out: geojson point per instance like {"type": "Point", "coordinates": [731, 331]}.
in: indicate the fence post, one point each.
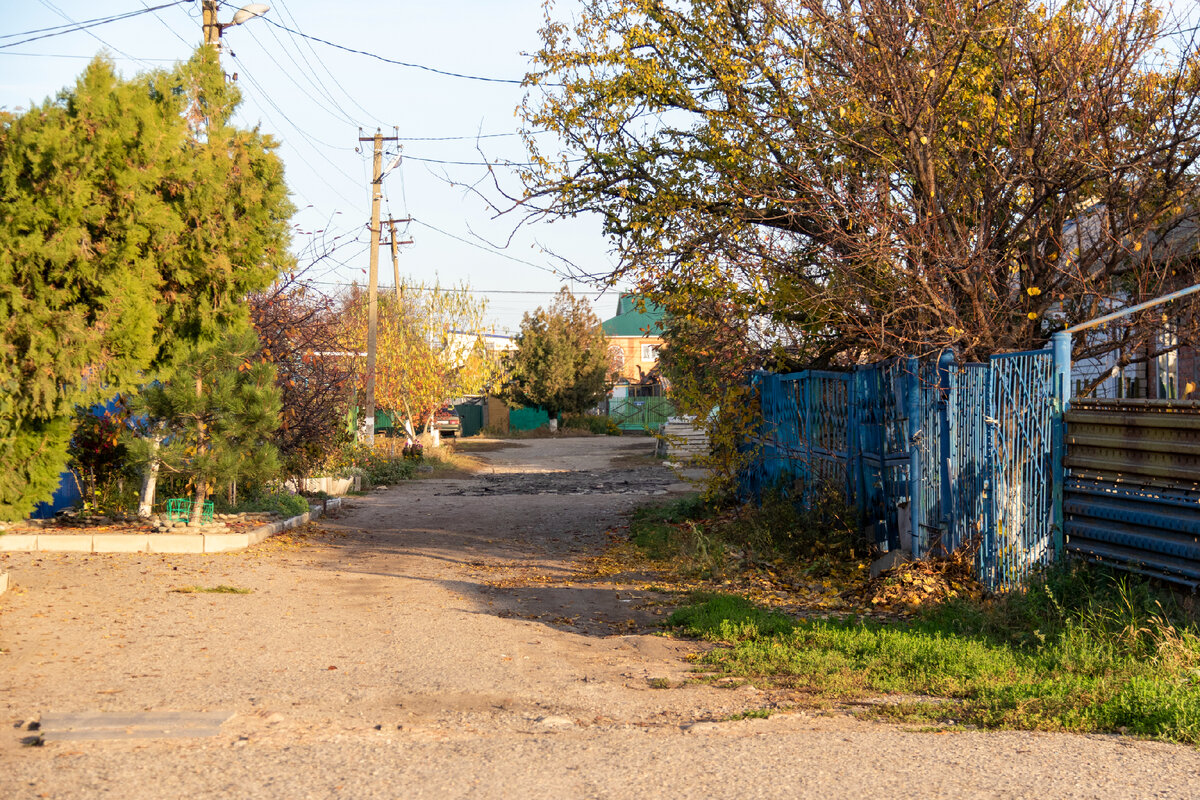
{"type": "Point", "coordinates": [912, 409]}
{"type": "Point", "coordinates": [1060, 344]}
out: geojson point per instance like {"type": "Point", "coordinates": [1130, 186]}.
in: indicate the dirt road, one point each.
{"type": "Point", "coordinates": [438, 641]}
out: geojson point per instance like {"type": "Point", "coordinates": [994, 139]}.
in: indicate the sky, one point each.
{"type": "Point", "coordinates": [314, 98]}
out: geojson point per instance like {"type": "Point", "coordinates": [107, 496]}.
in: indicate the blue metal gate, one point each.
{"type": "Point", "coordinates": [953, 455]}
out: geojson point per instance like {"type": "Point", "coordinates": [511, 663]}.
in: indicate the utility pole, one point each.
{"type": "Point", "coordinates": [213, 27]}
{"type": "Point", "coordinates": [395, 259]}
{"type": "Point", "coordinates": [373, 278]}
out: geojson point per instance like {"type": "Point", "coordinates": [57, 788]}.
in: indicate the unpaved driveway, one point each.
{"type": "Point", "coordinates": [438, 642]}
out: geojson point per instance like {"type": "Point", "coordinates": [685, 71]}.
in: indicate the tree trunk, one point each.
{"type": "Point", "coordinates": [435, 436]}
{"type": "Point", "coordinates": [149, 479]}
{"type": "Point", "coordinates": [198, 503]}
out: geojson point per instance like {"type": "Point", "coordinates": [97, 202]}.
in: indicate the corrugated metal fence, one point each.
{"type": "Point", "coordinates": [1133, 490]}
{"type": "Point", "coordinates": [933, 454]}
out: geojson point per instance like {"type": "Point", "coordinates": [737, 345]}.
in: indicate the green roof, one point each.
{"type": "Point", "coordinates": [631, 322]}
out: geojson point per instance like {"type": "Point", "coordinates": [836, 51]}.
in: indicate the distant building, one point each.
{"type": "Point", "coordinates": [634, 337]}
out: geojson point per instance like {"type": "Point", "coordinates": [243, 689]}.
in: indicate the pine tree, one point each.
{"type": "Point", "coordinates": [133, 219]}
{"type": "Point", "coordinates": [561, 360]}
{"type": "Point", "coordinates": [216, 416]}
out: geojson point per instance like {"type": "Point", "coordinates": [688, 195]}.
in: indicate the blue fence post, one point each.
{"type": "Point", "coordinates": [912, 403]}
{"type": "Point", "coordinates": [1060, 344]}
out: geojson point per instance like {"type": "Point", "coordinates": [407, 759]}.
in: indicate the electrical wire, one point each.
{"type": "Point", "coordinates": [95, 36]}
{"type": "Point", "coordinates": [486, 249]}
{"type": "Point", "coordinates": [295, 39]}
{"type": "Point", "coordinates": [81, 26]}
{"type": "Point", "coordinates": [540, 292]}
{"type": "Point", "coordinates": [89, 58]}
{"type": "Point", "coordinates": [328, 103]}
{"type": "Point", "coordinates": [311, 141]}
{"type": "Point", "coordinates": [386, 60]}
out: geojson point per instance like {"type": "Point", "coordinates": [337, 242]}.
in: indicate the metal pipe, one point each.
{"type": "Point", "coordinates": [1083, 326]}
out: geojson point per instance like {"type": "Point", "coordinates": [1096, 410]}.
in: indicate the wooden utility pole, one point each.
{"type": "Point", "coordinates": [395, 258]}
{"type": "Point", "coordinates": [212, 28]}
{"type": "Point", "coordinates": [373, 278]}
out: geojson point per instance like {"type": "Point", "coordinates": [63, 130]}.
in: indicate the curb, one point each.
{"type": "Point", "coordinates": [174, 543]}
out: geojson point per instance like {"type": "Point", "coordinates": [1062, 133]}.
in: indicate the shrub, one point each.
{"type": "Point", "coordinates": [600, 425]}
{"type": "Point", "coordinates": [265, 499]}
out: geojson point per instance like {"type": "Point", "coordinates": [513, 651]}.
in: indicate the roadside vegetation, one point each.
{"type": "Point", "coordinates": [1081, 649]}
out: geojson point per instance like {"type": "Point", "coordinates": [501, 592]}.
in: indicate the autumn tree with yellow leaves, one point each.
{"type": "Point", "coordinates": [833, 181]}
{"type": "Point", "coordinates": [429, 349]}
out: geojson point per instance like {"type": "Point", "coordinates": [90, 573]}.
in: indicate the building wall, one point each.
{"type": "Point", "coordinates": [631, 350]}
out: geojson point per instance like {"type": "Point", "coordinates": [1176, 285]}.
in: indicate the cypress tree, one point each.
{"type": "Point", "coordinates": [134, 218]}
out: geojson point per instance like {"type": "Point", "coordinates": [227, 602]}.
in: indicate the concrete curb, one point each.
{"type": "Point", "coordinates": [175, 543]}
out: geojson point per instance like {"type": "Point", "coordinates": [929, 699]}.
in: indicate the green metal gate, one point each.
{"type": "Point", "coordinates": [640, 413]}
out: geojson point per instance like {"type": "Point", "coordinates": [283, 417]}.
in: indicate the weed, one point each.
{"type": "Point", "coordinates": [658, 683]}
{"type": "Point", "coordinates": [221, 589]}
{"type": "Point", "coordinates": [754, 713]}
{"type": "Point", "coordinates": [1080, 650]}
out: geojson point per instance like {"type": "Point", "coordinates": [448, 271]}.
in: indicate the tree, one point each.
{"type": "Point", "coordinates": [428, 348]}
{"type": "Point", "coordinates": [854, 180]}
{"type": "Point", "coordinates": [215, 416]}
{"type": "Point", "coordinates": [299, 333]}
{"type": "Point", "coordinates": [561, 361]}
{"type": "Point", "coordinates": [134, 219]}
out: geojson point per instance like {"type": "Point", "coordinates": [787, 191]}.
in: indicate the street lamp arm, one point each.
{"type": "Point", "coordinates": [248, 12]}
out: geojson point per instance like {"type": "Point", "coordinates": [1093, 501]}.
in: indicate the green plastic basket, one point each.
{"type": "Point", "coordinates": [180, 510]}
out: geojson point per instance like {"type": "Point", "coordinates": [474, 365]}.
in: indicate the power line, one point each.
{"type": "Point", "coordinates": [444, 288]}
{"type": "Point", "coordinates": [321, 62]}
{"type": "Point", "coordinates": [386, 60]}
{"type": "Point", "coordinates": [80, 26]}
{"type": "Point", "coordinates": [88, 58]}
{"type": "Point", "coordinates": [479, 163]}
{"type": "Point", "coordinates": [95, 36]}
{"type": "Point", "coordinates": [463, 138]}
{"type": "Point", "coordinates": [491, 250]}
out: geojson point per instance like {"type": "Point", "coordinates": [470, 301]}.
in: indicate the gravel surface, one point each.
{"type": "Point", "coordinates": [436, 640]}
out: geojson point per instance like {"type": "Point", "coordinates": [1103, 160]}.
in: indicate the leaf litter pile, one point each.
{"type": "Point", "coordinates": [817, 587]}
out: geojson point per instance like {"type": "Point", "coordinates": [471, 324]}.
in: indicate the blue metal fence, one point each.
{"type": "Point", "coordinates": [933, 454]}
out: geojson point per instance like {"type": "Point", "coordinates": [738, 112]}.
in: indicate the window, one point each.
{"type": "Point", "coordinates": [649, 352]}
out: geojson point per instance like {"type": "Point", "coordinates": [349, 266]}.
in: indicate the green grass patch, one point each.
{"type": "Point", "coordinates": [1081, 650]}
{"type": "Point", "coordinates": [221, 589]}
{"type": "Point", "coordinates": [655, 529]}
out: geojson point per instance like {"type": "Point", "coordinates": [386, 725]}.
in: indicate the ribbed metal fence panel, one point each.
{"type": "Point", "coordinates": [930, 531]}
{"type": "Point", "coordinates": [971, 479]}
{"type": "Point", "coordinates": [879, 400]}
{"type": "Point", "coordinates": [823, 406]}
{"type": "Point", "coordinates": [1020, 414]}
{"type": "Point", "coordinates": [1133, 488]}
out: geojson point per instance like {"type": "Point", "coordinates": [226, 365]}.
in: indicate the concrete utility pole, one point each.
{"type": "Point", "coordinates": [373, 278]}
{"type": "Point", "coordinates": [395, 258]}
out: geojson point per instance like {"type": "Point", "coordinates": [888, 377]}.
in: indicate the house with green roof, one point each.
{"type": "Point", "coordinates": [634, 336]}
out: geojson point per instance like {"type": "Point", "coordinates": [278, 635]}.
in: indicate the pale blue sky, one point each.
{"type": "Point", "coordinates": [314, 98]}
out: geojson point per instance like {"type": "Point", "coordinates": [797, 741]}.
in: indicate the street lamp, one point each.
{"type": "Point", "coordinates": [213, 28]}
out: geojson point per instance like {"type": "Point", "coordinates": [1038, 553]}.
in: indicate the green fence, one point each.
{"type": "Point", "coordinates": [640, 413]}
{"type": "Point", "coordinates": [527, 419]}
{"type": "Point", "coordinates": [471, 417]}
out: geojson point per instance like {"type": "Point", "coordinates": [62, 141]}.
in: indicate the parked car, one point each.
{"type": "Point", "coordinates": [446, 420]}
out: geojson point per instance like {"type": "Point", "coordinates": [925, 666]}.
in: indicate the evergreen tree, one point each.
{"type": "Point", "coordinates": [134, 219]}
{"type": "Point", "coordinates": [215, 416]}
{"type": "Point", "coordinates": [561, 360]}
